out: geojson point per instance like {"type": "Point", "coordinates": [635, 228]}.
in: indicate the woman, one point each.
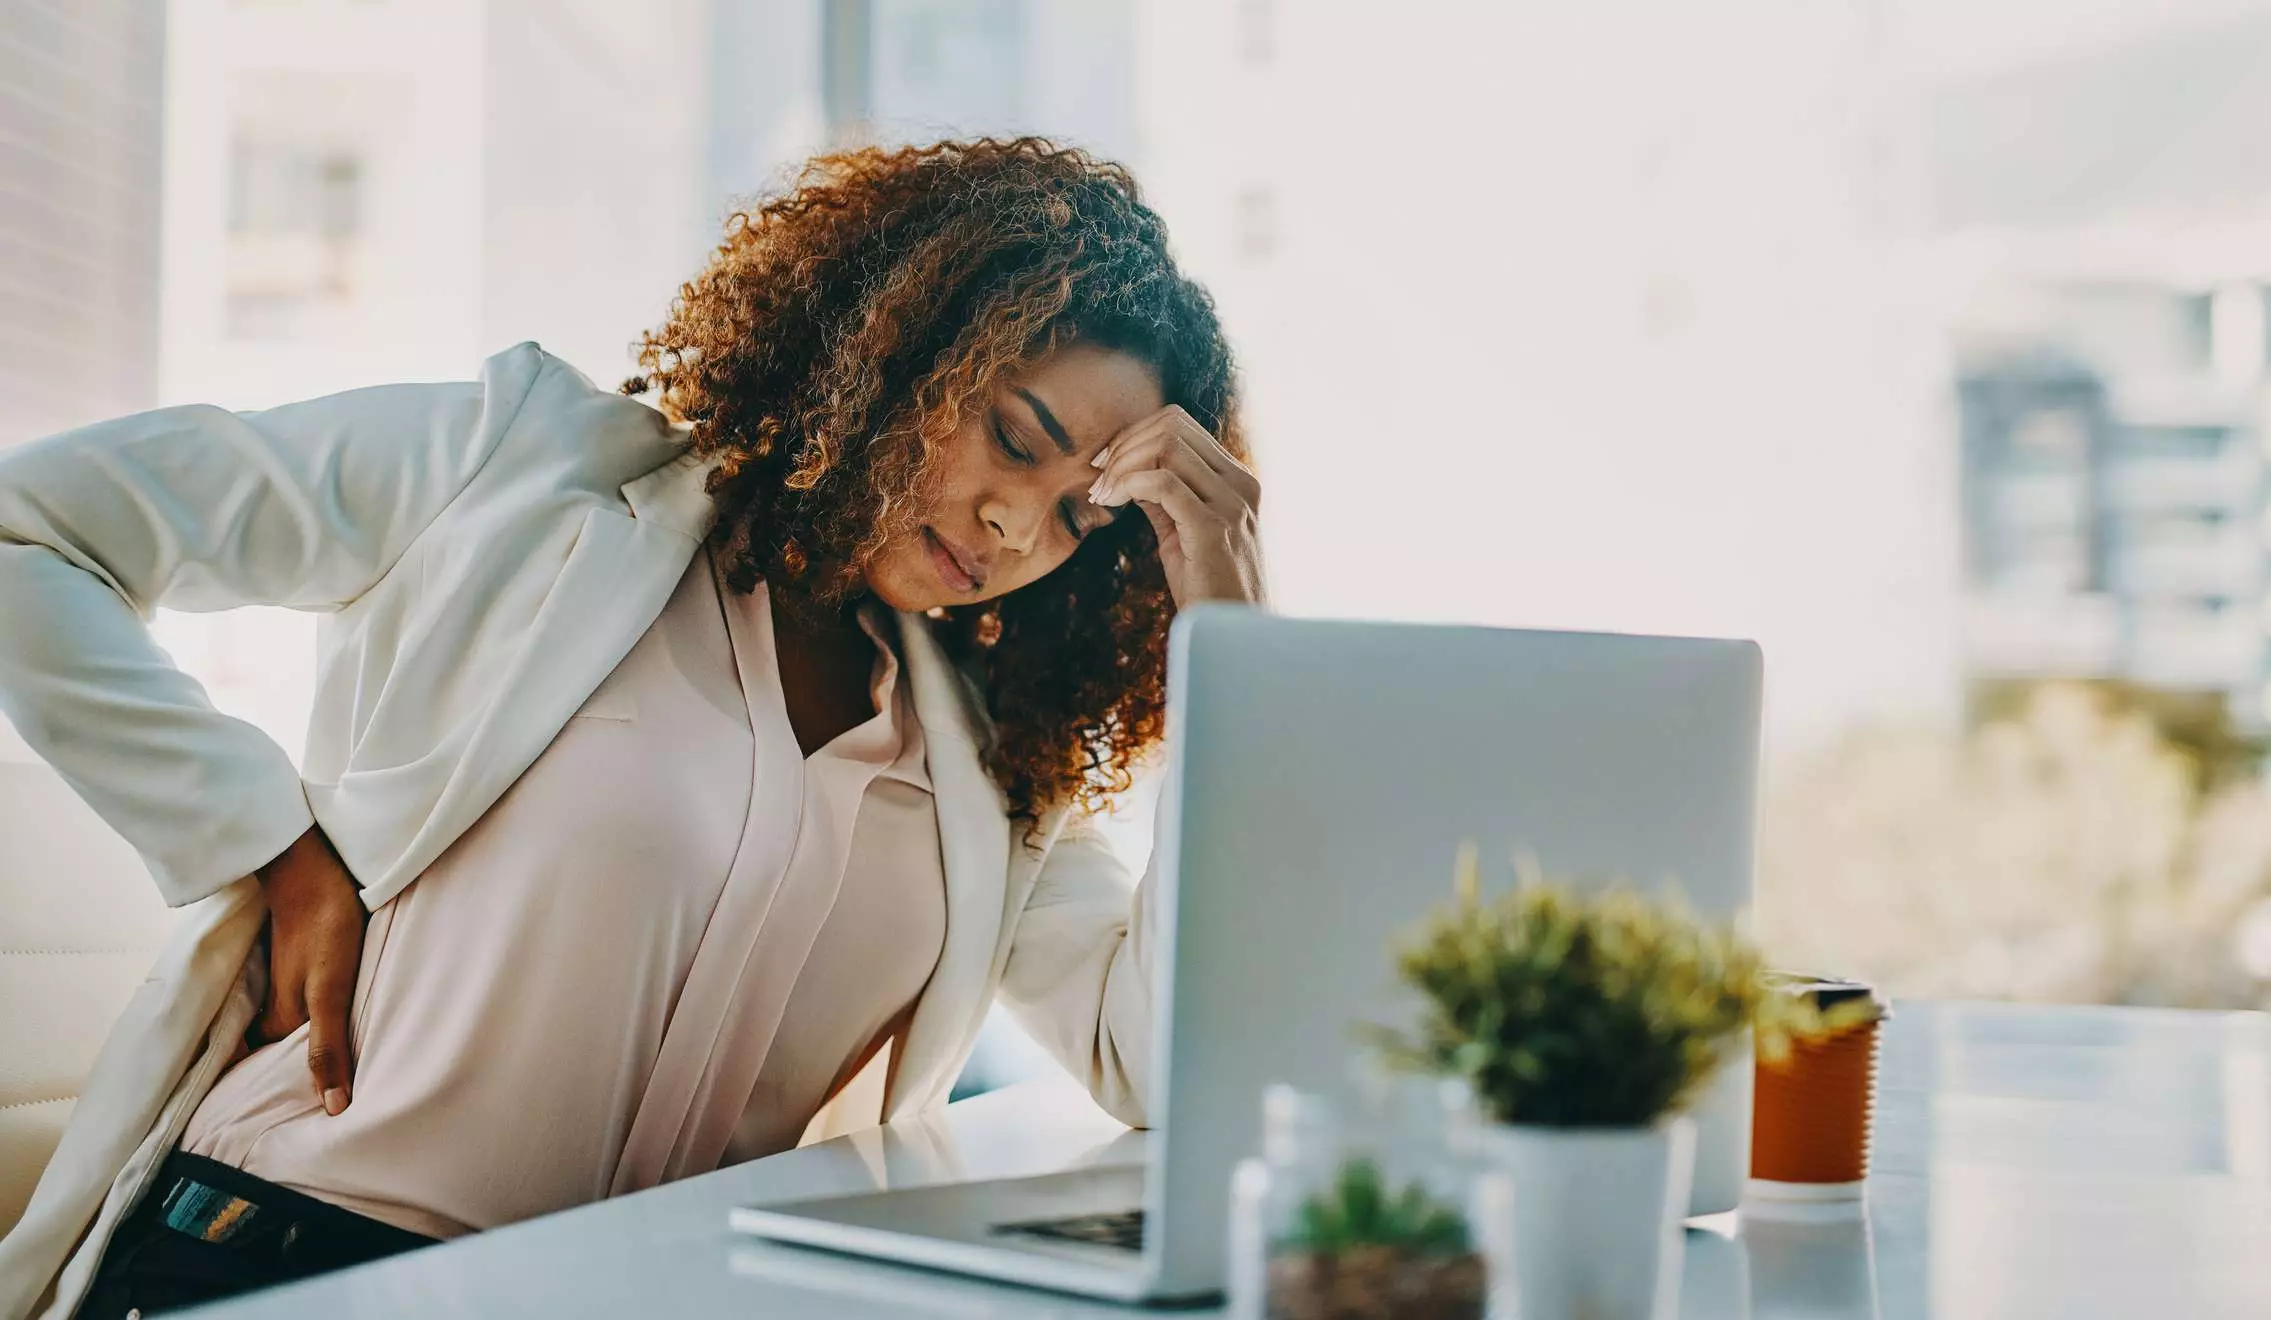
{"type": "Point", "coordinates": [694, 764]}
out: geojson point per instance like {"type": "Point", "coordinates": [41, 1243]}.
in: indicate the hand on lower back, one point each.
{"type": "Point", "coordinates": [315, 951]}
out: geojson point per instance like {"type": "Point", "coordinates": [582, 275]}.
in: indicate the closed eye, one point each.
{"type": "Point", "coordinates": [1018, 453]}
{"type": "Point", "coordinates": [1070, 516]}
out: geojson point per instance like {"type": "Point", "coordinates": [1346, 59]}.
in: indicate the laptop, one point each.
{"type": "Point", "coordinates": [1321, 778]}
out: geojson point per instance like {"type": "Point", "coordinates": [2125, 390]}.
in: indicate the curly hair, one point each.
{"type": "Point", "coordinates": [846, 328]}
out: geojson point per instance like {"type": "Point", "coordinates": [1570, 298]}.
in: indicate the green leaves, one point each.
{"type": "Point", "coordinates": [1359, 1210]}
{"type": "Point", "coordinates": [1566, 1011]}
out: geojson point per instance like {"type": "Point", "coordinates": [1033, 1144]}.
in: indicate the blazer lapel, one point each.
{"type": "Point", "coordinates": [616, 579]}
{"type": "Point", "coordinates": [988, 872]}
{"type": "Point", "coordinates": [974, 846]}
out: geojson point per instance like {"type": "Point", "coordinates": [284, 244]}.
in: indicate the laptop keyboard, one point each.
{"type": "Point", "coordinates": [1122, 1229]}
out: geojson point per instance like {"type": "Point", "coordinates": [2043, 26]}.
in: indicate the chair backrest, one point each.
{"type": "Point", "coordinates": [80, 924]}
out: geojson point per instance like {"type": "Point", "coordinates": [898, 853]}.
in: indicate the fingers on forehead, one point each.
{"type": "Point", "coordinates": [1172, 424]}
{"type": "Point", "coordinates": [1169, 421]}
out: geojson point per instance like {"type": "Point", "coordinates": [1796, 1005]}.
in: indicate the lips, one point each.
{"type": "Point", "coordinates": [953, 564]}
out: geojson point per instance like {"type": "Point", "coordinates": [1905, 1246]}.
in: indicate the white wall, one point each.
{"type": "Point", "coordinates": [594, 154]}
{"type": "Point", "coordinates": [1580, 317]}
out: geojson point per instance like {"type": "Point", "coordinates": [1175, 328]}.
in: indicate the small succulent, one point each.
{"type": "Point", "coordinates": [1361, 1210]}
{"type": "Point", "coordinates": [1572, 1011]}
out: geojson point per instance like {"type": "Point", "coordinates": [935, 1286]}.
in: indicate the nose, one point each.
{"type": "Point", "coordinates": [1015, 529]}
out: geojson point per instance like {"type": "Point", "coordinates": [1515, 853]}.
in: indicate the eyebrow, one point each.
{"type": "Point", "coordinates": [1048, 421]}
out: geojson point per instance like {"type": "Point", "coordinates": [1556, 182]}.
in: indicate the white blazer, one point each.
{"type": "Point", "coordinates": [484, 554]}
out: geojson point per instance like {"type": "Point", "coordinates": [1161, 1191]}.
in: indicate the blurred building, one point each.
{"type": "Point", "coordinates": [80, 121]}
{"type": "Point", "coordinates": [364, 191]}
{"type": "Point", "coordinates": [2114, 376]}
{"type": "Point", "coordinates": [2116, 523]}
{"type": "Point", "coordinates": [361, 192]}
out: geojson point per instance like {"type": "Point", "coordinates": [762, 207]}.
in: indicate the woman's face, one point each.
{"type": "Point", "coordinates": [1013, 499]}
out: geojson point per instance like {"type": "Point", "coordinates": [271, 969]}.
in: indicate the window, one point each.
{"type": "Point", "coordinates": [300, 167]}
{"type": "Point", "coordinates": [2196, 442]}
{"type": "Point", "coordinates": [2057, 437]}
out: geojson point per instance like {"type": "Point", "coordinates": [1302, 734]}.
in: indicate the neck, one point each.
{"type": "Point", "coordinates": [821, 630]}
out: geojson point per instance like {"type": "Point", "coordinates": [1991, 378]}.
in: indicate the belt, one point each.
{"type": "Point", "coordinates": [227, 1207]}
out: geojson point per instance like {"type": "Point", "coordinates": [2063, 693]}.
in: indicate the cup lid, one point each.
{"type": "Point", "coordinates": [1828, 992]}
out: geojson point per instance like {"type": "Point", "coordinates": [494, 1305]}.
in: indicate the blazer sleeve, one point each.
{"type": "Point", "coordinates": [198, 508]}
{"type": "Point", "coordinates": [1080, 974]}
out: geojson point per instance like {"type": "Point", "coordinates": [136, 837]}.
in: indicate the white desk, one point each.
{"type": "Point", "coordinates": [2031, 1162]}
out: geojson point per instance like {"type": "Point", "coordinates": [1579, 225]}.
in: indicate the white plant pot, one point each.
{"type": "Point", "coordinates": [1594, 1219]}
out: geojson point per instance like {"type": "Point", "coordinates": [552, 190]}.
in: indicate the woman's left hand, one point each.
{"type": "Point", "coordinates": [1201, 500]}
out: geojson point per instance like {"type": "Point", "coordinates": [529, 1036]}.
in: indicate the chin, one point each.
{"type": "Point", "coordinates": [894, 590]}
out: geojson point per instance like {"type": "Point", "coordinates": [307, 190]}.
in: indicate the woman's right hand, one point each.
{"type": "Point", "coordinates": [315, 952]}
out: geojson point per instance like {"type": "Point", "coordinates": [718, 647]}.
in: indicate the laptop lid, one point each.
{"type": "Point", "coordinates": [1321, 778]}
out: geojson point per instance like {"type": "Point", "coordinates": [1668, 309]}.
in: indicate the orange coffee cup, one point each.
{"type": "Point", "coordinates": [1810, 1113]}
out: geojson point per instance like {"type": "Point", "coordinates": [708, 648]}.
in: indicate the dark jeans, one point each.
{"type": "Point", "coordinates": [206, 1231]}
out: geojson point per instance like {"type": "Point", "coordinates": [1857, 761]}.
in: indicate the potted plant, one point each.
{"type": "Point", "coordinates": [1584, 1024]}
{"type": "Point", "coordinates": [1363, 1249]}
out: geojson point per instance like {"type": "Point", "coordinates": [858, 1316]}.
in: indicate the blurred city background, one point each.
{"type": "Point", "coordinates": [1923, 340]}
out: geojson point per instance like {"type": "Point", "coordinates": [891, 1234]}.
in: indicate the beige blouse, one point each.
{"type": "Point", "coordinates": [664, 949]}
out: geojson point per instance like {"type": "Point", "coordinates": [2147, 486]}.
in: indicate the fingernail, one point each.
{"type": "Point", "coordinates": [1103, 456]}
{"type": "Point", "coordinates": [1102, 493]}
{"type": "Point", "coordinates": [334, 1101]}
